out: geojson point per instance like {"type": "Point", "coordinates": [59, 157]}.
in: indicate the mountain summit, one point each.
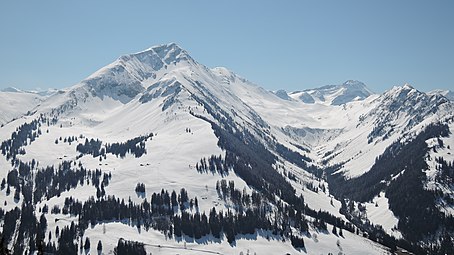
{"type": "Point", "coordinates": [131, 74]}
{"type": "Point", "coordinates": [446, 93]}
{"type": "Point", "coordinates": [168, 53]}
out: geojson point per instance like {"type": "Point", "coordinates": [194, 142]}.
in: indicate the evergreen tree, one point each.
{"type": "Point", "coordinates": [297, 242]}
{"type": "Point", "coordinates": [99, 248]}
{"type": "Point", "coordinates": [130, 248]}
{"type": "Point", "coordinates": [174, 199]}
{"type": "Point", "coordinates": [17, 194]}
{"type": "Point", "coordinates": [43, 225]}
{"type": "Point", "coordinates": [87, 244]}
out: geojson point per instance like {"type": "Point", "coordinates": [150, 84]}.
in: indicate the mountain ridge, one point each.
{"type": "Point", "coordinates": [349, 91]}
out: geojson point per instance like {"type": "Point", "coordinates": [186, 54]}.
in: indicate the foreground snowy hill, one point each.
{"type": "Point", "coordinates": [159, 149]}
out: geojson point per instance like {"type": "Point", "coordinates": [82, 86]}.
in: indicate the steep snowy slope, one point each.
{"type": "Point", "coordinates": [440, 169]}
{"type": "Point", "coordinates": [324, 130]}
{"type": "Point", "coordinates": [348, 140]}
{"type": "Point", "coordinates": [393, 115]}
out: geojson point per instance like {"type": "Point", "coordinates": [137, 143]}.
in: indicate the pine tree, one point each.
{"type": "Point", "coordinates": [99, 248]}
{"type": "Point", "coordinates": [43, 224]}
{"type": "Point", "coordinates": [87, 244]}
{"type": "Point", "coordinates": [17, 194]}
{"type": "Point", "coordinates": [174, 199]}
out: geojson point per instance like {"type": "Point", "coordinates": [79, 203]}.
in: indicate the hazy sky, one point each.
{"type": "Point", "coordinates": [277, 44]}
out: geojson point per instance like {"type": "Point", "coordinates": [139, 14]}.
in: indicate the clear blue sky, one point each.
{"type": "Point", "coordinates": [276, 44]}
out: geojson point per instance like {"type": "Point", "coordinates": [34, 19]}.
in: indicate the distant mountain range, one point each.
{"type": "Point", "coordinates": [47, 92]}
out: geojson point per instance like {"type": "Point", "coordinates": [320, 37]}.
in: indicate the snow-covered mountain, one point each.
{"type": "Point", "coordinates": [334, 94]}
{"type": "Point", "coordinates": [315, 171]}
{"type": "Point", "coordinates": [446, 93]}
{"type": "Point", "coordinates": [44, 93]}
{"type": "Point", "coordinates": [11, 89]}
{"type": "Point", "coordinates": [282, 94]}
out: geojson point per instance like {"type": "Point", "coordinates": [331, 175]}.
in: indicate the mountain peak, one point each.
{"type": "Point", "coordinates": [12, 89]}
{"type": "Point", "coordinates": [446, 93]}
{"type": "Point", "coordinates": [171, 45]}
{"type": "Point", "coordinates": [357, 85]}
{"type": "Point", "coordinates": [407, 86]}
{"type": "Point", "coordinates": [168, 53]}
{"type": "Point", "coordinates": [282, 94]}
{"type": "Point", "coordinates": [131, 74]}
{"type": "Point", "coordinates": [402, 91]}
{"type": "Point", "coordinates": [161, 49]}
{"type": "Point", "coordinates": [348, 91]}
{"type": "Point", "coordinates": [353, 82]}
{"type": "Point", "coordinates": [157, 56]}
